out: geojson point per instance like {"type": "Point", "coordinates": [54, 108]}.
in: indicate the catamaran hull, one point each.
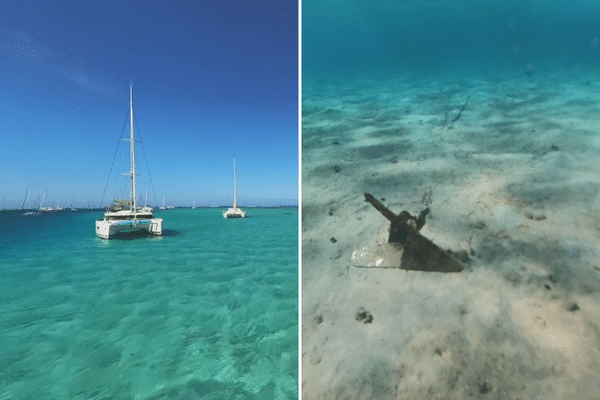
{"type": "Point", "coordinates": [234, 213]}
{"type": "Point", "coordinates": [109, 229]}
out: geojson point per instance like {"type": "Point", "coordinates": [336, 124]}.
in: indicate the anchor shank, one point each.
{"type": "Point", "coordinates": [393, 218]}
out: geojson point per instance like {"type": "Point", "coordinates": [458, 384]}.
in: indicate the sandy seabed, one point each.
{"type": "Point", "coordinates": [510, 168]}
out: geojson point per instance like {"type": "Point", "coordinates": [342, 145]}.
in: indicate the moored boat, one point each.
{"type": "Point", "coordinates": [125, 216]}
{"type": "Point", "coordinates": [234, 212]}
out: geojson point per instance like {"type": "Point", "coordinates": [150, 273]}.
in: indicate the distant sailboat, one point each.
{"type": "Point", "coordinates": [58, 207]}
{"type": "Point", "coordinates": [26, 199]}
{"type": "Point", "coordinates": [23, 206]}
{"type": "Point", "coordinates": [49, 209]}
{"type": "Point", "coordinates": [234, 212]}
{"type": "Point", "coordinates": [32, 212]}
{"type": "Point", "coordinates": [72, 200]}
{"type": "Point", "coordinates": [125, 216]}
{"type": "Point", "coordinates": [40, 209]}
{"type": "Point", "coordinates": [194, 206]}
{"type": "Point", "coordinates": [45, 209]}
{"type": "Point", "coordinates": [169, 207]}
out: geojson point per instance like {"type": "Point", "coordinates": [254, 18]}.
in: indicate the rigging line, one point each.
{"type": "Point", "coordinates": [114, 157]}
{"type": "Point", "coordinates": [146, 160]}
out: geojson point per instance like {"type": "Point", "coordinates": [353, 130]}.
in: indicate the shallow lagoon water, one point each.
{"type": "Point", "coordinates": [208, 310]}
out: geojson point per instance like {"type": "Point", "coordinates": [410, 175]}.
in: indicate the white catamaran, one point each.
{"type": "Point", "coordinates": [234, 212]}
{"type": "Point", "coordinates": [124, 216]}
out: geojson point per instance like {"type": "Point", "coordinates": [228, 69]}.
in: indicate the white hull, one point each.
{"type": "Point", "coordinates": [50, 209]}
{"type": "Point", "coordinates": [108, 229]}
{"type": "Point", "coordinates": [234, 213]}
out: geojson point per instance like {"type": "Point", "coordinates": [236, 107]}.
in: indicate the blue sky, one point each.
{"type": "Point", "coordinates": [213, 81]}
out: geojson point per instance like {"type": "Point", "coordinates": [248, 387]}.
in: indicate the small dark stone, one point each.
{"type": "Point", "coordinates": [336, 142]}
{"type": "Point", "coordinates": [573, 307]}
{"type": "Point", "coordinates": [319, 319]}
{"type": "Point", "coordinates": [438, 351]}
{"type": "Point", "coordinates": [336, 168]}
{"type": "Point", "coordinates": [554, 147]}
{"type": "Point", "coordinates": [472, 252]}
{"type": "Point", "coordinates": [479, 225]}
{"type": "Point", "coordinates": [333, 240]}
{"type": "Point", "coordinates": [485, 388]}
{"type": "Point", "coordinates": [535, 215]}
{"type": "Point", "coordinates": [330, 212]}
{"type": "Point", "coordinates": [364, 316]}
{"type": "Point", "coordinates": [597, 269]}
{"type": "Point", "coordinates": [547, 286]}
{"type": "Point", "coordinates": [394, 160]}
{"type": "Point", "coordinates": [383, 199]}
{"type": "Point", "coordinates": [552, 278]}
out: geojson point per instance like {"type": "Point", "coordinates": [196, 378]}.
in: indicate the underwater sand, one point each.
{"type": "Point", "coordinates": [513, 183]}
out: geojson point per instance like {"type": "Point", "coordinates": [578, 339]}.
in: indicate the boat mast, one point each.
{"type": "Point", "coordinates": [132, 147]}
{"type": "Point", "coordinates": [43, 197]}
{"type": "Point", "coordinates": [26, 198]}
{"type": "Point", "coordinates": [234, 187]}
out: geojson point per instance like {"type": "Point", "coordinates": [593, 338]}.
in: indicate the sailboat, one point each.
{"type": "Point", "coordinates": [26, 199]}
{"type": "Point", "coordinates": [163, 206]}
{"type": "Point", "coordinates": [58, 207]}
{"type": "Point", "coordinates": [125, 216]}
{"type": "Point", "coordinates": [28, 213]}
{"type": "Point", "coordinates": [234, 212]}
{"type": "Point", "coordinates": [49, 209]}
{"type": "Point", "coordinates": [194, 206]}
{"type": "Point", "coordinates": [72, 200]}
{"type": "Point", "coordinates": [45, 209]}
{"type": "Point", "coordinates": [39, 210]}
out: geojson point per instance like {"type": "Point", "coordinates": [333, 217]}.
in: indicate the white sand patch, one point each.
{"type": "Point", "coordinates": [512, 184]}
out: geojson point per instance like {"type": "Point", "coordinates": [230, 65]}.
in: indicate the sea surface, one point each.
{"type": "Point", "coordinates": [207, 311]}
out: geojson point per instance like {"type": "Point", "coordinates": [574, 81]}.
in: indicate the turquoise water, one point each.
{"type": "Point", "coordinates": [207, 311]}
